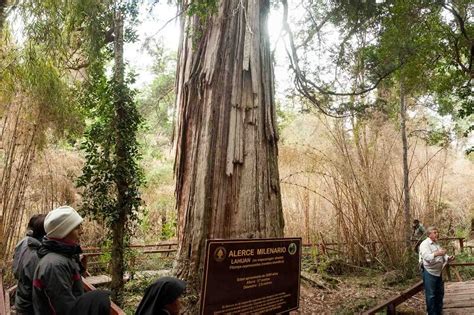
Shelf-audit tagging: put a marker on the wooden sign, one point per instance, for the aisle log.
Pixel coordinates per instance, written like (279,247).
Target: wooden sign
(251,276)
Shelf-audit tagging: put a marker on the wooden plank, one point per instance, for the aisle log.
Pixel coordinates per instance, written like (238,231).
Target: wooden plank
(154,251)
(464,311)
(163,244)
(463,264)
(459,304)
(458,297)
(100,279)
(468,287)
(463,284)
(457,292)
(156,245)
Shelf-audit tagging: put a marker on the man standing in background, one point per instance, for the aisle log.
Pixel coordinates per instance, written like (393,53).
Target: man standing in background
(433,259)
(418,230)
(418,234)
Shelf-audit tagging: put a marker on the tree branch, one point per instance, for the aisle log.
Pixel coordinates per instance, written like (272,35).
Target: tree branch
(305,86)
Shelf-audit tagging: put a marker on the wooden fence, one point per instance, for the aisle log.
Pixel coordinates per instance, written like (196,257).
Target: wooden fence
(334,248)
(94,252)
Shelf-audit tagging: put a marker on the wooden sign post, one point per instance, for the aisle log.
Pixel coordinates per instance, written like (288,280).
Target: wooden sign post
(251,276)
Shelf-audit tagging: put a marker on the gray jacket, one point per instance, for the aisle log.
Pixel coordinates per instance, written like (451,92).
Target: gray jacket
(20,249)
(25,271)
(57,281)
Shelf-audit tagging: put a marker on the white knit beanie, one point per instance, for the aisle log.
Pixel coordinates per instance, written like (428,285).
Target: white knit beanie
(61,221)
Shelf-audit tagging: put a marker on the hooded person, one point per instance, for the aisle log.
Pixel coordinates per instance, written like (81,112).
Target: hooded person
(22,246)
(57,280)
(162,297)
(27,265)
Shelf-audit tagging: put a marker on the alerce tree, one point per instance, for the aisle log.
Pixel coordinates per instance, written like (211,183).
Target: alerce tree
(227,182)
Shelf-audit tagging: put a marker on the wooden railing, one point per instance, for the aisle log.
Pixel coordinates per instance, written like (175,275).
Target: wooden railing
(164,248)
(114,309)
(171,247)
(391,304)
(459,239)
(451,267)
(327,248)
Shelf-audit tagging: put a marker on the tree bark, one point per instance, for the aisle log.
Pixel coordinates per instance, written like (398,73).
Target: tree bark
(406,171)
(118,225)
(227,182)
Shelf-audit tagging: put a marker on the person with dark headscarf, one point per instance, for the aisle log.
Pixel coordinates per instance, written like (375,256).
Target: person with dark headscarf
(162,297)
(27,262)
(93,303)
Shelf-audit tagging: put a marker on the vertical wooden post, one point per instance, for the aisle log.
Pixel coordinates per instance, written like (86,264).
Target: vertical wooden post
(448,272)
(461,244)
(84,262)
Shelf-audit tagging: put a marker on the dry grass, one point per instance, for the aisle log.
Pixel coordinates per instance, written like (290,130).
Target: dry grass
(342,181)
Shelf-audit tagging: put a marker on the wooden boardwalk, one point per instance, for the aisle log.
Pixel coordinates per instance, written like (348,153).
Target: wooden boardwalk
(458,298)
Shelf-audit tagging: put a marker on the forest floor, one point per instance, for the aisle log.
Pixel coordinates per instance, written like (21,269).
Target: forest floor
(353,295)
(340,289)
(347,294)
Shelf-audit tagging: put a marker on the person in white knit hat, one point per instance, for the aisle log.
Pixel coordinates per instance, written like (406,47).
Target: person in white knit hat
(57,284)
(57,281)
(63,223)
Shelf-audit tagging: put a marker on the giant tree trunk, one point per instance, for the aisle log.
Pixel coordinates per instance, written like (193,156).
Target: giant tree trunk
(227,183)
(406,171)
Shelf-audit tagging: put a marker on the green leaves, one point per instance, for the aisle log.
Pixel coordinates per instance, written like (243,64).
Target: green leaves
(202,8)
(111,176)
(103,168)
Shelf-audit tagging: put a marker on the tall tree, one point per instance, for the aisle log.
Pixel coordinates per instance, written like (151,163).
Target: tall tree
(111,176)
(227,182)
(406,167)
